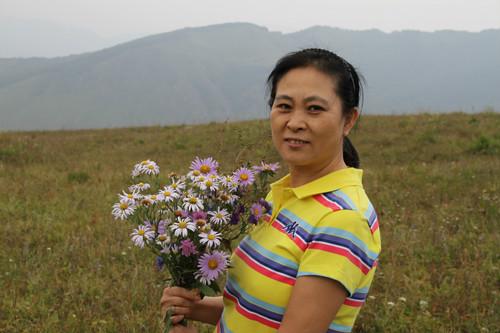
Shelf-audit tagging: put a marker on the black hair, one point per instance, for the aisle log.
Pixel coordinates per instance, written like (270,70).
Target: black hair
(347,81)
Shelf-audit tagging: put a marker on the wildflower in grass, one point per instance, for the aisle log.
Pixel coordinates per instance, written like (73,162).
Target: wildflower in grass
(168,194)
(205,166)
(244,176)
(160,263)
(220,216)
(211,265)
(402,299)
(123,209)
(187,247)
(182,227)
(390,304)
(211,238)
(141,235)
(146,167)
(270,167)
(139,187)
(192,203)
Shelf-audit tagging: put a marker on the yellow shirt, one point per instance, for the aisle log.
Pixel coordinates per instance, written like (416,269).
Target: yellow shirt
(327,228)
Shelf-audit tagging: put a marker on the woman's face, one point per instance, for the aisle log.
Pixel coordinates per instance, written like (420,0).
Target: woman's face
(306,120)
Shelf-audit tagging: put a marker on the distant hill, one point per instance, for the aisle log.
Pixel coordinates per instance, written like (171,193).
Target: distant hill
(217,73)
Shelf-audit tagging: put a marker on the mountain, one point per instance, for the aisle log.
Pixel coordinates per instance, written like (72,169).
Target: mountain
(218,73)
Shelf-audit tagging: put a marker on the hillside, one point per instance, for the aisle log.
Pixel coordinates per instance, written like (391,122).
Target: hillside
(217,73)
(67,266)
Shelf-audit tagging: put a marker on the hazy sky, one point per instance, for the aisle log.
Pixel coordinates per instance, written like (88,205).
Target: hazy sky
(115,17)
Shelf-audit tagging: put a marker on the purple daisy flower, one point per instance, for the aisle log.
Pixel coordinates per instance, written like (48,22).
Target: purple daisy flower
(256,212)
(211,265)
(187,248)
(270,167)
(205,166)
(244,176)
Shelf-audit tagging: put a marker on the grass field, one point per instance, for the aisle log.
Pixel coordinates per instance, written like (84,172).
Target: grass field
(67,266)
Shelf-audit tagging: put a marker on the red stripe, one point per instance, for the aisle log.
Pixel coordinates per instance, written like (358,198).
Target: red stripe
(332,205)
(218,326)
(262,269)
(374,226)
(340,251)
(353,303)
(297,240)
(250,315)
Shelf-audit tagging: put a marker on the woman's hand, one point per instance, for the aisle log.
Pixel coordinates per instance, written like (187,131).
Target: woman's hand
(181,302)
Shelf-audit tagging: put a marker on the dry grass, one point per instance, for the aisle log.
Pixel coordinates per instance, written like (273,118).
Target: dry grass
(68,267)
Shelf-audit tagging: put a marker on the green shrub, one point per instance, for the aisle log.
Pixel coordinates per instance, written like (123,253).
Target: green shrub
(78,177)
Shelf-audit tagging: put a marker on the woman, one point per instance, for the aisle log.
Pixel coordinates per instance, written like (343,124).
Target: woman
(309,268)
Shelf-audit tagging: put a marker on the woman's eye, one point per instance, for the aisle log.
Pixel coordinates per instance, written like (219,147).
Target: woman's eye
(316,108)
(283,106)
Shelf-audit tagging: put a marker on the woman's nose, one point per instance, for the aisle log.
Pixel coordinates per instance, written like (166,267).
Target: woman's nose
(296,122)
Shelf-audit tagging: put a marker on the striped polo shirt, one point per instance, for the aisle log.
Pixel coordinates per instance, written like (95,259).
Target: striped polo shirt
(327,228)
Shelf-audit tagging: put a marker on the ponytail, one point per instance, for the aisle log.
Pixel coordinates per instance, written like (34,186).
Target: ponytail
(351,157)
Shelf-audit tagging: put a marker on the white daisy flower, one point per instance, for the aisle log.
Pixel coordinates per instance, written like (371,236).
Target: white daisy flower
(192,203)
(227,198)
(132,197)
(150,168)
(141,235)
(123,209)
(182,226)
(168,194)
(163,240)
(179,184)
(220,216)
(211,184)
(194,174)
(147,200)
(139,187)
(200,182)
(211,238)
(153,198)
(146,167)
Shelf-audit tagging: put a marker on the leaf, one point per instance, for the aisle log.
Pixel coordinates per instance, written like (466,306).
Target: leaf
(207,291)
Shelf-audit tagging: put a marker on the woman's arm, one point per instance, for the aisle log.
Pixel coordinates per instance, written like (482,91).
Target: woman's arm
(208,310)
(313,305)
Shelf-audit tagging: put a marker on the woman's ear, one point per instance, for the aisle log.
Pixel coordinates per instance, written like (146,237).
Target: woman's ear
(350,120)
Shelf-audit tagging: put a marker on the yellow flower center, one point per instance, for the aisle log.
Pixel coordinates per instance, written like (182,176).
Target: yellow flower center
(193,200)
(244,176)
(166,193)
(151,167)
(162,238)
(200,222)
(196,172)
(208,183)
(153,197)
(213,264)
(211,237)
(183,224)
(256,211)
(144,162)
(123,205)
(218,215)
(141,232)
(174,186)
(130,196)
(141,184)
(205,168)
(224,197)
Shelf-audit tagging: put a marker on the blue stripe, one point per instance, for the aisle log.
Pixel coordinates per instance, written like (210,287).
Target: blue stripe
(339,328)
(346,198)
(254,302)
(223,325)
(358,296)
(284,220)
(334,240)
(266,262)
(332,196)
(265,252)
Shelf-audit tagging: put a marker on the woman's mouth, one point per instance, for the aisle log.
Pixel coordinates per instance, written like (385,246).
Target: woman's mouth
(292,142)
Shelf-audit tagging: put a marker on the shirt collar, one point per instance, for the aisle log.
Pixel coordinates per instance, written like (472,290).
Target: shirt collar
(328,183)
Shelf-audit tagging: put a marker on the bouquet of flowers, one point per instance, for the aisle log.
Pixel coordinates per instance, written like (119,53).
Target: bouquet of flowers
(189,221)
